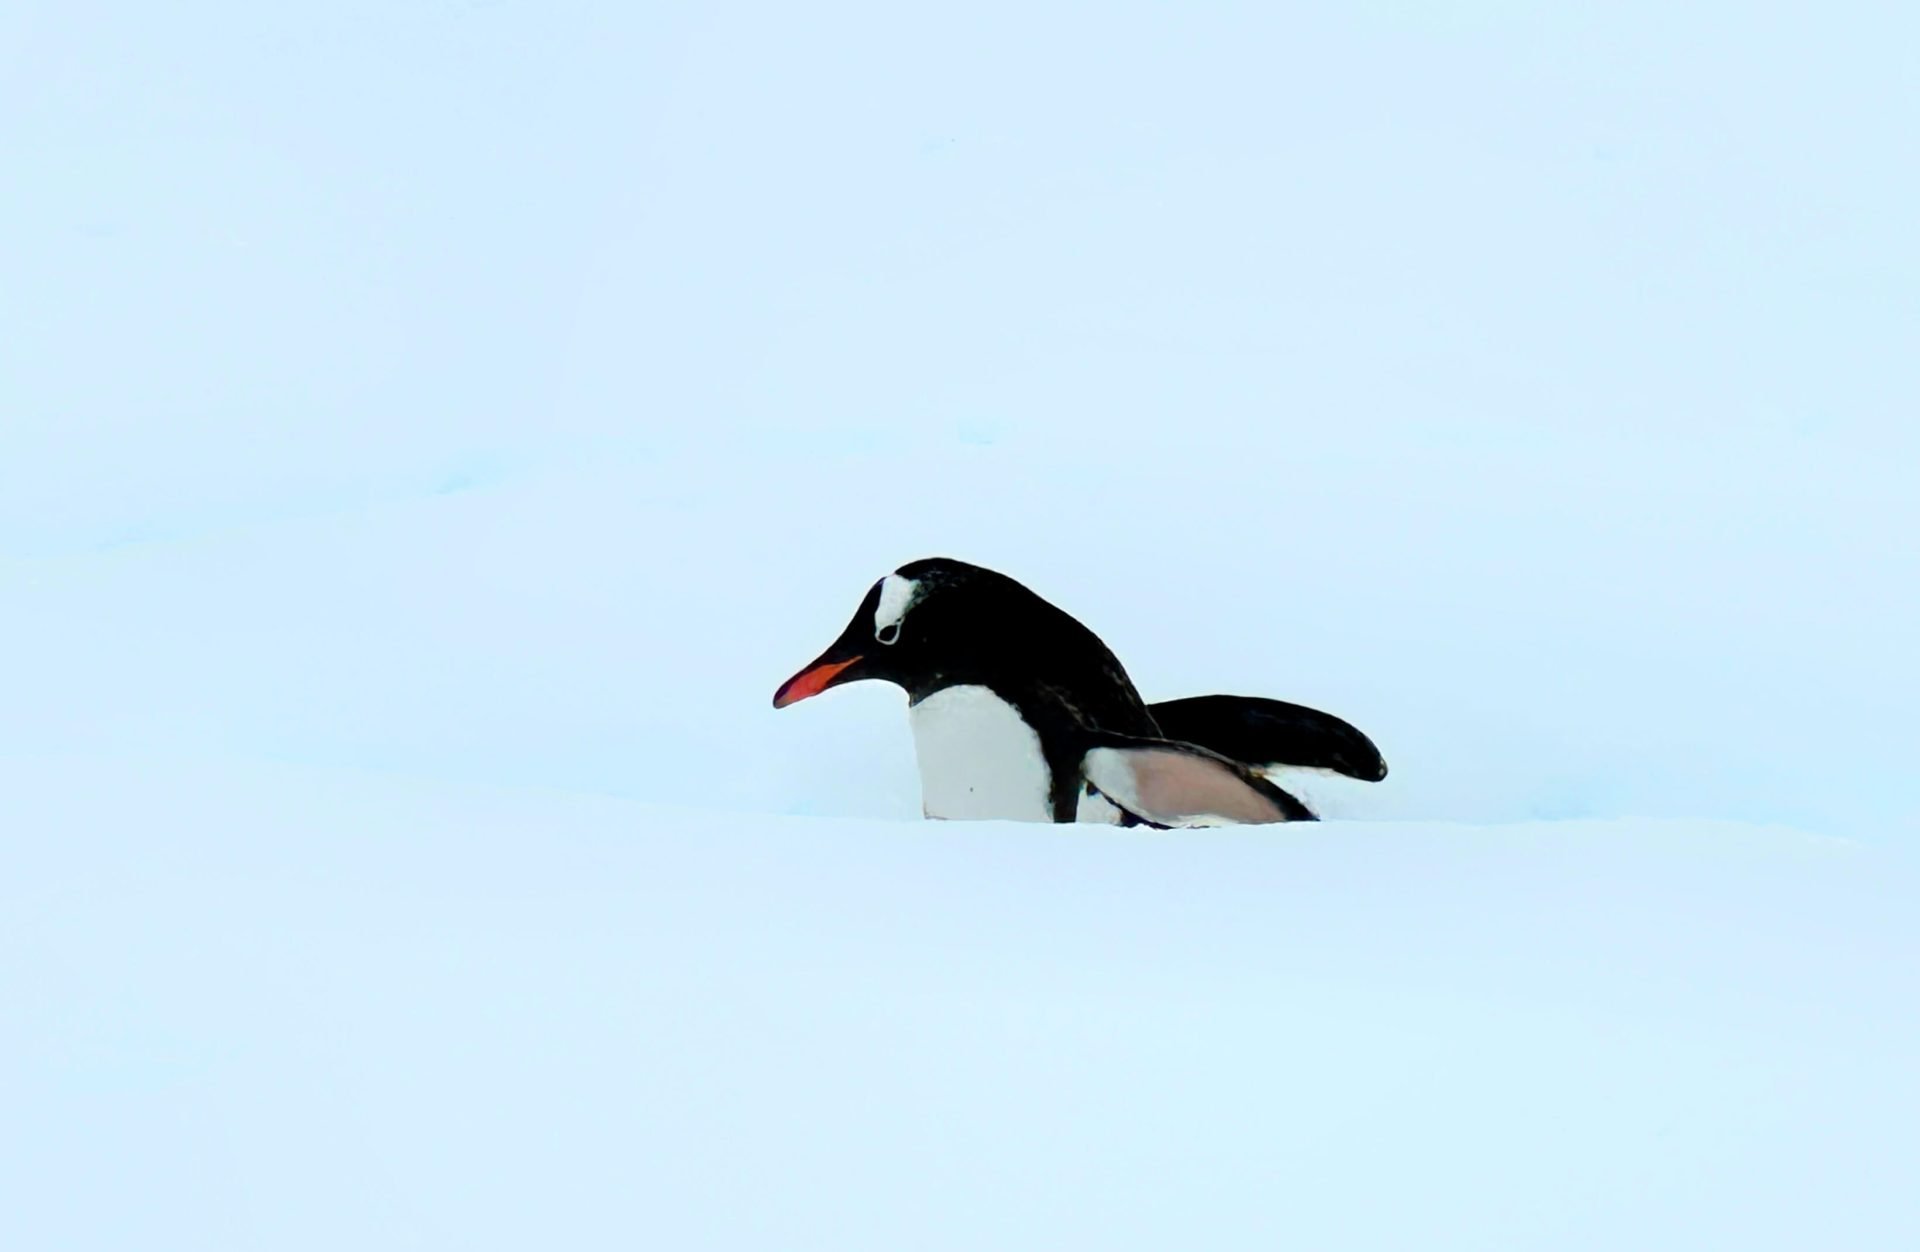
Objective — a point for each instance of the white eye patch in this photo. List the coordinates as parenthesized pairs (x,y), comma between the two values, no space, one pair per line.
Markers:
(897,595)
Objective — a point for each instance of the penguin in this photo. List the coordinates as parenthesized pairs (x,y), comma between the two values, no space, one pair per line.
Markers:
(1021,713)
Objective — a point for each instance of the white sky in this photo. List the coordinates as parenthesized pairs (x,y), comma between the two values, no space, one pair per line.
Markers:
(259,257)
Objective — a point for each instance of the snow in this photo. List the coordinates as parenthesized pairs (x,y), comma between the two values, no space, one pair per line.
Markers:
(428,435)
(287,1007)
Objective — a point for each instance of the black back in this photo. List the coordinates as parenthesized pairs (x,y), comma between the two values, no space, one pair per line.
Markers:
(974,625)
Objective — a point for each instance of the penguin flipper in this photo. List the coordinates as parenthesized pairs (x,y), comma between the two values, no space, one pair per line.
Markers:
(1264,733)
(1169,784)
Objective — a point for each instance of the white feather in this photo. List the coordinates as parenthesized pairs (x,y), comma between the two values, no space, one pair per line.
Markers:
(1095,809)
(897,595)
(979,760)
(1326,792)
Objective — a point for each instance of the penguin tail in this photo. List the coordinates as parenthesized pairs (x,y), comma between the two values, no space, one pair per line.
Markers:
(1268,733)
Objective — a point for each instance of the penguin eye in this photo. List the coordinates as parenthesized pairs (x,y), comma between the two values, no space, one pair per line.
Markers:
(888,634)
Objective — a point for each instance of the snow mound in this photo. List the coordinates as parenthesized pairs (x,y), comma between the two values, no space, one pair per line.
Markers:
(294,1008)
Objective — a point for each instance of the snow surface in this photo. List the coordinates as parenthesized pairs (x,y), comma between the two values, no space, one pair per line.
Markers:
(428,434)
(302,1009)
(294,1008)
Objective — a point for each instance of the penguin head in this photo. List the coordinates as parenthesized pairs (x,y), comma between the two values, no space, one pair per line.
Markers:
(917,627)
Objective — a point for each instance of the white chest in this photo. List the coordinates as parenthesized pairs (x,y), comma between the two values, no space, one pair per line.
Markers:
(978,760)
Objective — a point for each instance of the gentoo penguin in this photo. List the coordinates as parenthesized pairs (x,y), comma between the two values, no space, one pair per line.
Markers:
(1021,713)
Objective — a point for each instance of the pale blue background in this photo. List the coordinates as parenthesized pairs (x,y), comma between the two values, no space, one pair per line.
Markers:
(521,391)
(260,256)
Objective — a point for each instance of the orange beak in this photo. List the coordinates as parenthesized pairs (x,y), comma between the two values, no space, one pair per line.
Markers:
(809,682)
